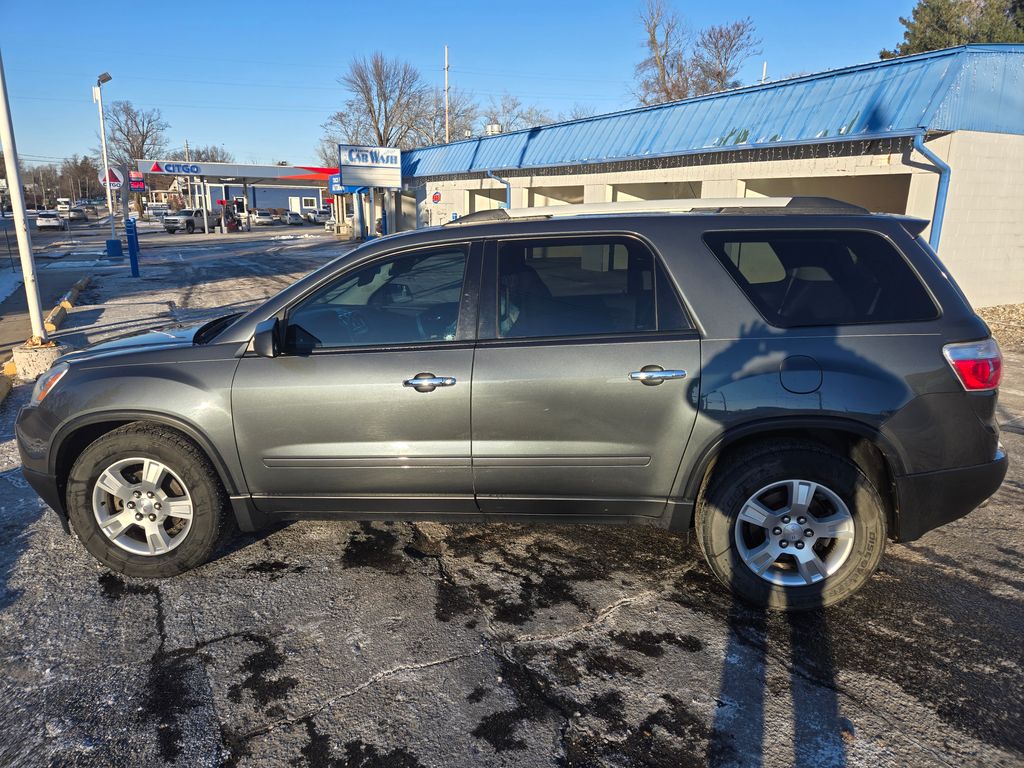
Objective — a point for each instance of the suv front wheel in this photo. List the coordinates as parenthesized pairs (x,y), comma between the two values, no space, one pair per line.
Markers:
(791,525)
(146,501)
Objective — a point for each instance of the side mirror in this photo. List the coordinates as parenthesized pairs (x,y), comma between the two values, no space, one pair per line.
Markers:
(264,341)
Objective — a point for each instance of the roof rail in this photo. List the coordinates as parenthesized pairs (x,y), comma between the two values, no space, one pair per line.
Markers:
(757,205)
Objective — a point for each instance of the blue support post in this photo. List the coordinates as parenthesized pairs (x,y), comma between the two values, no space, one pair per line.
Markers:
(132,231)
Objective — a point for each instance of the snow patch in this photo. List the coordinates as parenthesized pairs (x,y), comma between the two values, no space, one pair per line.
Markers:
(9,282)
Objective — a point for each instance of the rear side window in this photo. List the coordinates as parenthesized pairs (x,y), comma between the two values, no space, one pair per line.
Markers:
(583,287)
(823,277)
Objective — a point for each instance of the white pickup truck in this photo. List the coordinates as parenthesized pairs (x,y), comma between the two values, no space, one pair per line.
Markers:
(188,219)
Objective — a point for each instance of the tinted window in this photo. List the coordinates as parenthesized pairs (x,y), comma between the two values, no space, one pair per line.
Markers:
(823,277)
(580,287)
(405,300)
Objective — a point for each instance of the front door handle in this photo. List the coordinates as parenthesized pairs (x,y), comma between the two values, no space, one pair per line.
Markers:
(652,375)
(428,382)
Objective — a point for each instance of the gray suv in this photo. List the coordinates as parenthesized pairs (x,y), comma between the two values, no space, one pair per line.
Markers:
(796,381)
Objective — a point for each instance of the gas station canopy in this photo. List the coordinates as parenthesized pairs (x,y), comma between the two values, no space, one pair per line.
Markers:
(292,174)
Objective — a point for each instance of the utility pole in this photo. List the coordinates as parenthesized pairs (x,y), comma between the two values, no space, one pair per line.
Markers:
(28,267)
(188,179)
(447,136)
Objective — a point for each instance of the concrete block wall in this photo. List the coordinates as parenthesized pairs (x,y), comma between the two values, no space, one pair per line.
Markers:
(982,241)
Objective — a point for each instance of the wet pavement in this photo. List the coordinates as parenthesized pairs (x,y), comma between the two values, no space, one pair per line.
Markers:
(372,645)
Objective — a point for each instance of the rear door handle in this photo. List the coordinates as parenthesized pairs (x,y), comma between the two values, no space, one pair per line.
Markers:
(428,382)
(652,375)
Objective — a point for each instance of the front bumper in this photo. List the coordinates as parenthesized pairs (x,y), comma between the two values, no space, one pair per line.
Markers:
(930,499)
(48,490)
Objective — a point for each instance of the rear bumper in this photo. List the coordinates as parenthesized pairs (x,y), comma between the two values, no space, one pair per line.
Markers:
(931,499)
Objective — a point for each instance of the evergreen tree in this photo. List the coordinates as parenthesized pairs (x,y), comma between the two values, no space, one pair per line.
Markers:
(938,24)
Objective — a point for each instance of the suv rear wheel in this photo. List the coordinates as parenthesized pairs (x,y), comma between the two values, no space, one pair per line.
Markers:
(791,525)
(145,501)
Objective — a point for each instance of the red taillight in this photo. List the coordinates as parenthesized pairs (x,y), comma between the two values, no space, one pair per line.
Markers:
(978,364)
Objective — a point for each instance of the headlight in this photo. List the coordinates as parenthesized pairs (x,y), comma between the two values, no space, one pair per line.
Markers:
(46,382)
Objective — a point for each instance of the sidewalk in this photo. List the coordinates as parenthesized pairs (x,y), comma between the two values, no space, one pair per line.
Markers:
(15,325)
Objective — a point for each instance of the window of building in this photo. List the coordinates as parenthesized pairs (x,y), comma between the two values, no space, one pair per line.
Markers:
(823,277)
(582,288)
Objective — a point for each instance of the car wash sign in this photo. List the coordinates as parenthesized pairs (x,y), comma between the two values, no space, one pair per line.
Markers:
(370,166)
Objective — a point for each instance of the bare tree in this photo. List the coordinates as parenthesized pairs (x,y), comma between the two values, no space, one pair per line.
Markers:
(463,113)
(79,175)
(386,104)
(678,66)
(578,112)
(210,153)
(511,114)
(133,134)
(663,74)
(720,51)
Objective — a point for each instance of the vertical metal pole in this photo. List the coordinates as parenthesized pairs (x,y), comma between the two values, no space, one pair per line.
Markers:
(206,205)
(447,135)
(98,93)
(28,267)
(248,211)
(373,213)
(188,179)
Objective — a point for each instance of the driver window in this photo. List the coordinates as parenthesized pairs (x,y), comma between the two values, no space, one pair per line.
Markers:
(405,300)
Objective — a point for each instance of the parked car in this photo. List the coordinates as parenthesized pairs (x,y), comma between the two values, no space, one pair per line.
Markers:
(50,220)
(291,217)
(77,214)
(262,216)
(794,380)
(320,216)
(189,219)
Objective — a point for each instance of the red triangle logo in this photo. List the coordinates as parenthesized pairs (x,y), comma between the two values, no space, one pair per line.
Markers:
(112,175)
(156,168)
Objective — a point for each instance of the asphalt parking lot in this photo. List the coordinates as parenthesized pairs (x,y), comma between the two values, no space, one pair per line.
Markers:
(374,645)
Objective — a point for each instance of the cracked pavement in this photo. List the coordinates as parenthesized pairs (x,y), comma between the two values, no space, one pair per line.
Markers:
(356,644)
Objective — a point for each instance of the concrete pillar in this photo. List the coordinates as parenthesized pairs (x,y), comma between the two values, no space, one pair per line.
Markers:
(722,188)
(597,193)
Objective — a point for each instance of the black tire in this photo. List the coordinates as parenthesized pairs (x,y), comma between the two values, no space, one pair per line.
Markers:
(190,227)
(211,522)
(755,468)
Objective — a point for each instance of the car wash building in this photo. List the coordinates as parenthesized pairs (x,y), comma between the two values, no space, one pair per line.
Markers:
(938,135)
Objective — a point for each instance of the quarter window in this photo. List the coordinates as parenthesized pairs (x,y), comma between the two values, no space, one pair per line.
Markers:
(582,288)
(823,277)
(406,300)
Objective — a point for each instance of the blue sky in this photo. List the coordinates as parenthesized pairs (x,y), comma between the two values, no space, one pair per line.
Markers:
(263,86)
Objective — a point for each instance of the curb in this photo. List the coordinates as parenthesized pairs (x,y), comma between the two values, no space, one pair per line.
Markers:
(51,322)
(7,379)
(56,316)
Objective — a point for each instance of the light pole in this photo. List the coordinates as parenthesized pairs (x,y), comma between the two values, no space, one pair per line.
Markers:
(97,96)
(28,267)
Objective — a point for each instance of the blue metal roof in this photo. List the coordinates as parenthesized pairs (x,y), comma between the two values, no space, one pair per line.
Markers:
(972,87)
